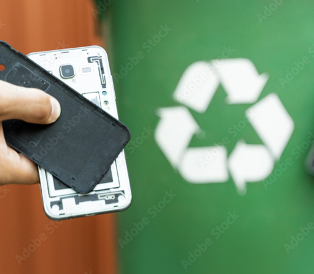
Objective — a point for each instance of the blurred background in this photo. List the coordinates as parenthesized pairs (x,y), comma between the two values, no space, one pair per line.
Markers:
(213,191)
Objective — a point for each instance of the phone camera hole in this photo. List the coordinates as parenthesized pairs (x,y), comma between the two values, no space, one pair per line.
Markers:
(67,71)
(106,103)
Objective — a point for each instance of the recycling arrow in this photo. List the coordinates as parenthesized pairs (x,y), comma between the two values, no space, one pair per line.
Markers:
(272,123)
(197,86)
(249,163)
(240,80)
(174,132)
(205,164)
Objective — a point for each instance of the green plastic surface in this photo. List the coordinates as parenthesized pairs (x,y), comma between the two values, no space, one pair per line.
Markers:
(267,235)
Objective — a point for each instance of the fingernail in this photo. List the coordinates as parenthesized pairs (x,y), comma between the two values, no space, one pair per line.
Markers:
(56,109)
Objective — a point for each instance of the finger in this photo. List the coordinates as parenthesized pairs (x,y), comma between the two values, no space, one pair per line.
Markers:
(26,171)
(15,168)
(19,170)
(27,104)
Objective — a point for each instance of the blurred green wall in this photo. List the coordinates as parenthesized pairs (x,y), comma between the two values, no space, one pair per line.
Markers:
(174,226)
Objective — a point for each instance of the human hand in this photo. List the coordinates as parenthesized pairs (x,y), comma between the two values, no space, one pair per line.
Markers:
(30,105)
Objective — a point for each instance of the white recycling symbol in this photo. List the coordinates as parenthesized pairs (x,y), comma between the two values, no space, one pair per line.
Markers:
(243,85)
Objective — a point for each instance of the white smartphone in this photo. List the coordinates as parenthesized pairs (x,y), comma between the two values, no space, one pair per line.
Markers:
(87,71)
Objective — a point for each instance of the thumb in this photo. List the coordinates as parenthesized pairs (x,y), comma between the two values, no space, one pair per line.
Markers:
(28,104)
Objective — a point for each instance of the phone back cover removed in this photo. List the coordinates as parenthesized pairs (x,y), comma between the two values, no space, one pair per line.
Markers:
(81,145)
